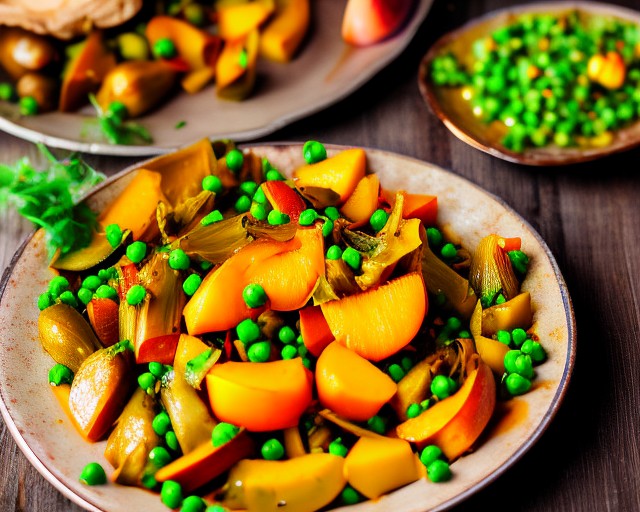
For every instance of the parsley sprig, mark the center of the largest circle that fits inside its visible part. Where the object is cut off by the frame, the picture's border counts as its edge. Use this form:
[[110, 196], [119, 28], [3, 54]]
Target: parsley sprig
[[48, 198]]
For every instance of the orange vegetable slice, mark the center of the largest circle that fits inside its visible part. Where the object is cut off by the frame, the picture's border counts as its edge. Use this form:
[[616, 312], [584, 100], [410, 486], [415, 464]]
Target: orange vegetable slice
[[283, 35], [350, 385], [236, 20], [260, 396], [379, 322], [314, 330], [363, 201]]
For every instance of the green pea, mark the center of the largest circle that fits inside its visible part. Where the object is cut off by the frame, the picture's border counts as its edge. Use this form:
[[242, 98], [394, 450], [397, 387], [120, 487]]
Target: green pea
[[274, 175], [157, 369], [243, 204], [159, 456], [337, 448], [396, 372], [248, 188], [518, 336], [259, 196], [211, 218], [7, 91], [113, 234], [171, 494], [302, 351], [93, 474], [454, 323], [449, 251], [234, 160], [286, 335], [443, 386], [376, 424], [308, 217], [439, 471], [406, 363], [161, 423], [136, 251], [299, 340], [272, 450], [332, 213], [28, 106], [164, 48], [254, 295], [44, 301], [524, 366], [259, 352], [510, 361], [414, 410], [517, 384], [258, 211], [191, 284], [193, 503], [334, 252], [276, 218], [327, 228], [178, 260], [212, 183], [147, 381], [248, 331], [149, 481], [68, 298], [378, 220], [313, 152], [352, 258], [60, 374], [503, 337], [538, 353], [107, 273], [223, 433], [172, 440], [206, 265], [429, 454], [105, 291], [91, 283], [85, 295], [136, 295], [289, 352], [349, 495], [58, 285], [464, 334]]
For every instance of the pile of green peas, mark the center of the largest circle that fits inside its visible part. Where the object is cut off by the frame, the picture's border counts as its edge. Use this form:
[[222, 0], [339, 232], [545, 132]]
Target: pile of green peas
[[532, 76]]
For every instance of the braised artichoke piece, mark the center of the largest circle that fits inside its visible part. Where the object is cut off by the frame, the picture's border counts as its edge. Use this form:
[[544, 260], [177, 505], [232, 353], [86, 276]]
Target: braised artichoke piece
[[97, 252], [101, 389], [442, 279], [491, 272], [66, 335], [132, 439]]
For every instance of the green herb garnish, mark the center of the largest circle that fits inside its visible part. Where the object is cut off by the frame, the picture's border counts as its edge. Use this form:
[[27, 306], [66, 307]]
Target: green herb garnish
[[48, 198], [116, 129]]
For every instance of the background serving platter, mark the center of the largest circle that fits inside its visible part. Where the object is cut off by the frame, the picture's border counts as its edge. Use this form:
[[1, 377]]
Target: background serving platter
[[325, 71], [457, 115], [50, 442]]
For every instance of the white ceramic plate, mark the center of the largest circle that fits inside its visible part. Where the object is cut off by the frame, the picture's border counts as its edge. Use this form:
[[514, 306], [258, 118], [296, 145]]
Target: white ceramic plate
[[326, 71], [53, 446]]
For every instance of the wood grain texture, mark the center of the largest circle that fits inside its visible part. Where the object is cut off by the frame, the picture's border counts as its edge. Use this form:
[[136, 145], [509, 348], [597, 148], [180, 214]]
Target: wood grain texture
[[589, 458]]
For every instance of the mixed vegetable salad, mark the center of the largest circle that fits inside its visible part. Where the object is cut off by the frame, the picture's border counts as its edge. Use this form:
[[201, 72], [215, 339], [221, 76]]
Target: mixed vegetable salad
[[247, 341], [571, 79]]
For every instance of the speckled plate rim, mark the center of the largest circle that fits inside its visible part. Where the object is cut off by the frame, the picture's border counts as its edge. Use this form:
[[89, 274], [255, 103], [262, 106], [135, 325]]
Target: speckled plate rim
[[625, 139], [405, 35], [379, 506]]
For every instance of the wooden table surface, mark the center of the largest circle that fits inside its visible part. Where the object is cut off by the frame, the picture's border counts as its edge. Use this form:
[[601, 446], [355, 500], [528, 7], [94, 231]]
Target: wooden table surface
[[589, 215]]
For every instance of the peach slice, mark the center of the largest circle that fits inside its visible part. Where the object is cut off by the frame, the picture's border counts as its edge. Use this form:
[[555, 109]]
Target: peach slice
[[235, 75], [236, 20], [103, 317], [289, 278], [282, 36], [363, 201], [377, 323], [284, 199], [507, 316], [377, 465], [367, 22], [314, 330], [491, 351], [331, 181], [350, 385], [454, 423], [206, 462], [260, 396]]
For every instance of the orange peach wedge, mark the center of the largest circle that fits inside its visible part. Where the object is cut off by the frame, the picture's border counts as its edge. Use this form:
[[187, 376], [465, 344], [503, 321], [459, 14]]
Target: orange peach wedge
[[367, 22], [456, 422], [379, 322]]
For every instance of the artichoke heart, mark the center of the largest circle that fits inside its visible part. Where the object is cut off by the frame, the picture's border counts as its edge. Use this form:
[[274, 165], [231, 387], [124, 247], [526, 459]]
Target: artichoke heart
[[491, 272]]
